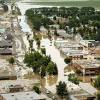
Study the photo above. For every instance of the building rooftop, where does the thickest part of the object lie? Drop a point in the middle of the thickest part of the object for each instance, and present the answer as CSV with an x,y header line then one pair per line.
x,y
80,95
72,52
89,63
2,30
5,43
67,44
23,96
5,51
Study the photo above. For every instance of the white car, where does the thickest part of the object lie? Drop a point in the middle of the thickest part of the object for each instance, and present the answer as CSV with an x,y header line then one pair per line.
x,y
47,91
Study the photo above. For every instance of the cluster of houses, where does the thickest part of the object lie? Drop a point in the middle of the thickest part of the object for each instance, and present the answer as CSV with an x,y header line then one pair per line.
x,y
19,89
12,87
5,43
85,56
83,53
6,38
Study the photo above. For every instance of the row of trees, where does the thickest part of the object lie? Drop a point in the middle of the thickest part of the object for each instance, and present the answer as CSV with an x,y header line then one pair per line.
x,y
85,20
64,12
37,20
40,63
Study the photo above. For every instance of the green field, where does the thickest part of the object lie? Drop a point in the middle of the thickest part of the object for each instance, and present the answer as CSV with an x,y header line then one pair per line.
x,y
92,3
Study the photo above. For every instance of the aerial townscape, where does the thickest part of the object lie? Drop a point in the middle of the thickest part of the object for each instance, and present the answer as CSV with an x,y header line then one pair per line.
x,y
49,49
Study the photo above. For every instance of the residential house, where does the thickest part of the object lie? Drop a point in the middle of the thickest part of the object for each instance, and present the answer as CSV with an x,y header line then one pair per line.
x,y
87,67
15,88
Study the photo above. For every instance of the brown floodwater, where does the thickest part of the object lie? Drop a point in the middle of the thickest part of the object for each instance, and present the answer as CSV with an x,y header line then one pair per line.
x,y
50,81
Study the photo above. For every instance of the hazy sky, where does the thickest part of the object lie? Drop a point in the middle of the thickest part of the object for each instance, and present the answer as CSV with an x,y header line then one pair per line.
x,y
58,0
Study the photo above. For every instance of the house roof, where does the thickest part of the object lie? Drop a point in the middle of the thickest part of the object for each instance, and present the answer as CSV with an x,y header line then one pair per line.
x,y
5,51
31,95
89,63
5,43
2,30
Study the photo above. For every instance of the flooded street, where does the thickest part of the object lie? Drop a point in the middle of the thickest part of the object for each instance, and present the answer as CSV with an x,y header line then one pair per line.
x,y
55,56
50,81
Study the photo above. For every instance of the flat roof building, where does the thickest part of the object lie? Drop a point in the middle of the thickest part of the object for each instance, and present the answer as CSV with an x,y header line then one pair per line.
x,y
31,95
5,44
87,67
5,51
74,52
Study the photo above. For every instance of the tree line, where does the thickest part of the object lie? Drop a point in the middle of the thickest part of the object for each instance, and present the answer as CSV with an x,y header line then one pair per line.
x,y
40,63
85,20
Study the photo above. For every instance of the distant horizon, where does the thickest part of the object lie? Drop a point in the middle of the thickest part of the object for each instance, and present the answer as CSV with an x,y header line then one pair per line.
x,y
57,0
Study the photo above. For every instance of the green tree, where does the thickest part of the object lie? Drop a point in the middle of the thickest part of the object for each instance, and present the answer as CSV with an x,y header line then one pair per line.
x,y
36,89
40,63
98,96
38,43
61,89
43,50
46,21
11,60
45,60
67,60
73,79
31,58
51,68
43,71
97,82
54,18
31,44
